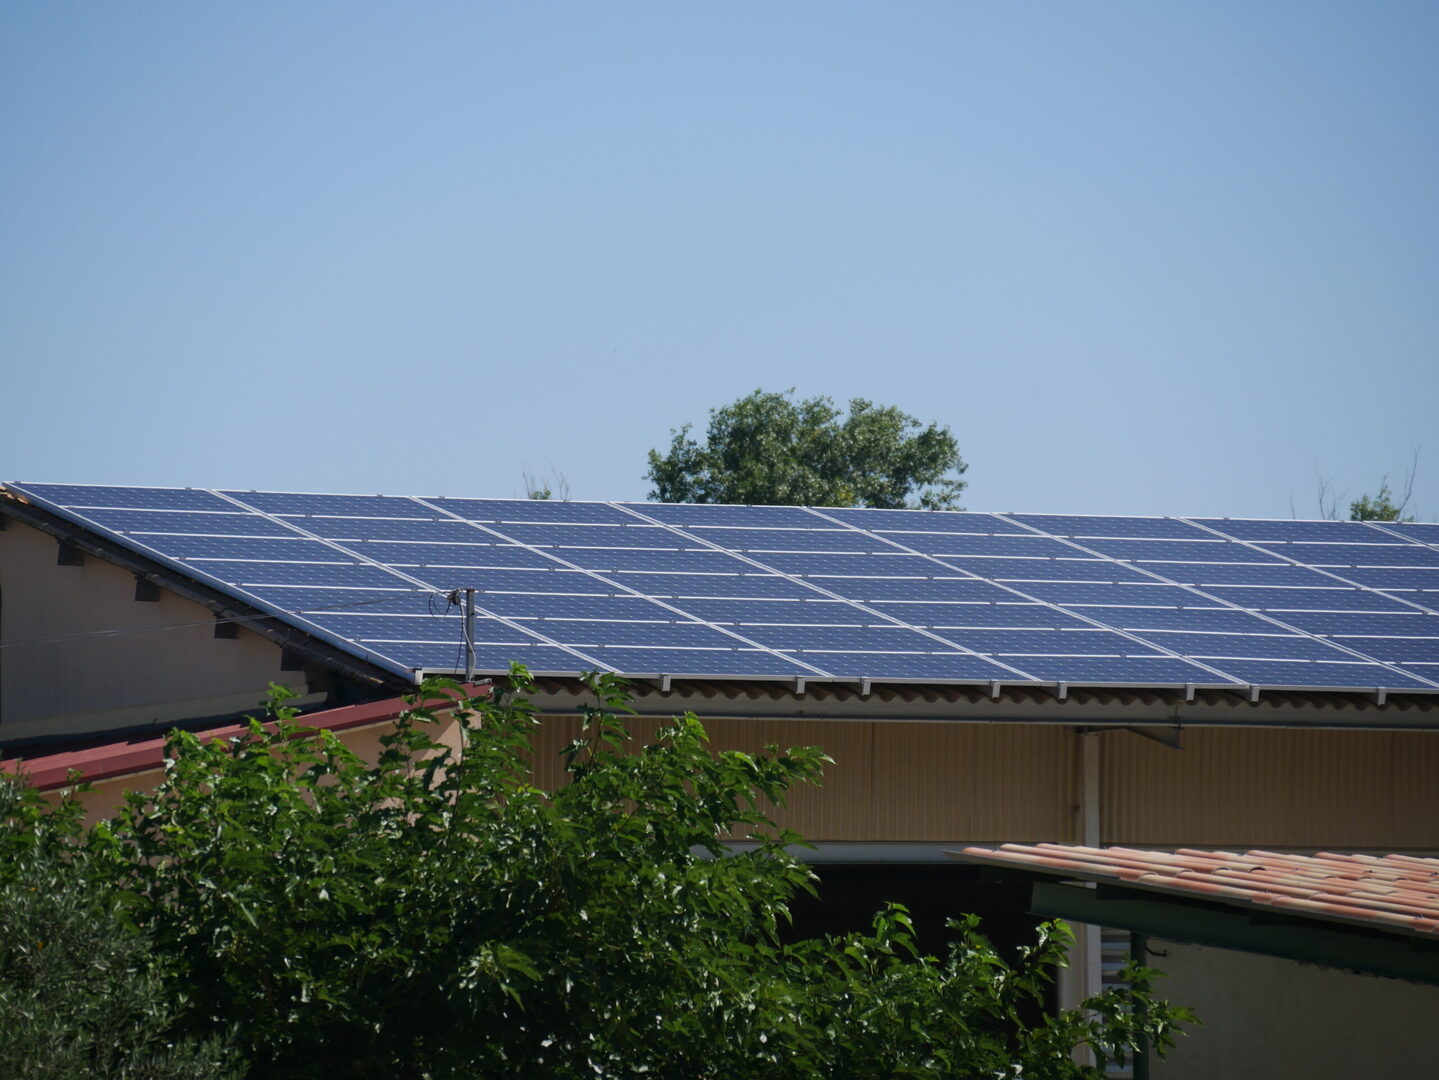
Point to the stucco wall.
(1268, 1018)
(164, 664)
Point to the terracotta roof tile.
(1395, 892)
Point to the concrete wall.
(163, 665)
(1269, 1018)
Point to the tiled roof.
(1395, 893)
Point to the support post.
(469, 636)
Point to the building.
(979, 679)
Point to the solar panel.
(784, 592)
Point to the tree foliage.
(771, 449)
(81, 993)
(435, 915)
(1379, 507)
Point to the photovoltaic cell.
(849, 593)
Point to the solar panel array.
(649, 589)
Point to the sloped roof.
(796, 594)
(1395, 893)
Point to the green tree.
(1379, 507)
(80, 994)
(771, 449)
(434, 914)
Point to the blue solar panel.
(540, 659)
(906, 521)
(939, 666)
(632, 535)
(81, 496)
(1395, 650)
(875, 638)
(417, 553)
(1206, 550)
(616, 560)
(1394, 577)
(1342, 555)
(773, 517)
(1119, 669)
(1074, 642)
(553, 579)
(1200, 620)
(1338, 598)
(869, 590)
(243, 547)
(720, 662)
(1124, 594)
(1312, 673)
(1353, 532)
(765, 540)
(282, 502)
(798, 612)
(1027, 545)
(754, 584)
(1272, 646)
(979, 614)
(587, 633)
(1405, 621)
(536, 510)
(426, 531)
(347, 575)
(233, 522)
(830, 564)
(415, 628)
(1080, 526)
(833, 592)
(1021, 570)
(1239, 574)
(404, 600)
(1414, 530)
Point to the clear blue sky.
(1141, 258)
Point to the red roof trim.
(139, 754)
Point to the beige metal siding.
(897, 782)
(946, 782)
(1345, 790)
(157, 662)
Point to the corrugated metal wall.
(899, 782)
(941, 783)
(1247, 787)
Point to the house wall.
(1265, 1017)
(141, 675)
